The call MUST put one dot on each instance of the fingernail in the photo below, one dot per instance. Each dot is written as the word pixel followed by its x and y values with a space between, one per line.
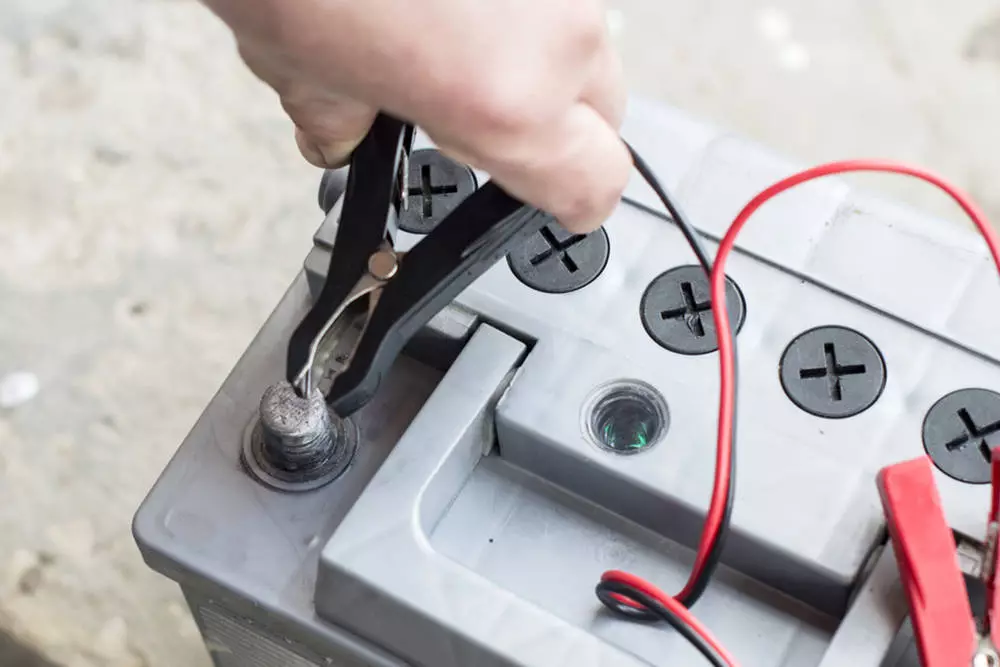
pixel 585 226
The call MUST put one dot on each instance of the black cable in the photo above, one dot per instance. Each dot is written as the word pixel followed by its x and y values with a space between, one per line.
pixel 655 611
pixel 675 212
pixel 694 240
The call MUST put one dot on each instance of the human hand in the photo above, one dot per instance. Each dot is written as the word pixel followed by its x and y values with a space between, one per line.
pixel 530 91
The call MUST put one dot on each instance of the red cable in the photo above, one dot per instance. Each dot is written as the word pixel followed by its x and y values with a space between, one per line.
pixel 990 567
pixel 722 326
pixel 727 368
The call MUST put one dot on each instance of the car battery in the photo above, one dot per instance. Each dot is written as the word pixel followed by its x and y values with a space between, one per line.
pixel 558 419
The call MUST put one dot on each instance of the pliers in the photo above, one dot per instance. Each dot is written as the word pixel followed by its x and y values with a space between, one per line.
pixel 947 631
pixel 375 297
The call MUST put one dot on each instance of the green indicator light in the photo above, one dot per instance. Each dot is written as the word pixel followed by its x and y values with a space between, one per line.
pixel 627 420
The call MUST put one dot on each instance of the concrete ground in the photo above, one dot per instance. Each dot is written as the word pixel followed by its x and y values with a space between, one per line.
pixel 153 208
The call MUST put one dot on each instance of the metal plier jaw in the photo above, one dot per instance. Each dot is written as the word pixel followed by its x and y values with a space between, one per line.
pixel 947 630
pixel 376 298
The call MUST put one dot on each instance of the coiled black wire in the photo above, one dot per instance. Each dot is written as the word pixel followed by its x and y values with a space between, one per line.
pixel 654 610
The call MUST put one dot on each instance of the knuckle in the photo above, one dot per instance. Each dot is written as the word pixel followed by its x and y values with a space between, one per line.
pixel 502 104
pixel 584 211
pixel 264 66
pixel 329 118
pixel 588 208
pixel 297 102
pixel 505 99
pixel 588 29
pixel 302 115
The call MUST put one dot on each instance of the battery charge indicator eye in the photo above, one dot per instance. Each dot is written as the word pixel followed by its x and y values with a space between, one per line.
pixel 627 417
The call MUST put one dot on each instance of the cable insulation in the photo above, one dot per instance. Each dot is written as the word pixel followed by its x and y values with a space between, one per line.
pixel 630 595
pixel 727 357
pixel 613 592
pixel 711 542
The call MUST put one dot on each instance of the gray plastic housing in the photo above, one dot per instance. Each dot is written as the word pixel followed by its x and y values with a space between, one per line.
pixel 479 515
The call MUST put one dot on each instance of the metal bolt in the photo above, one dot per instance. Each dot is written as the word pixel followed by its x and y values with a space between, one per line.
pixel 677 312
pixel 437 184
pixel 832 372
pixel 557 262
pixel 383 265
pixel 986 654
pixel 960 430
pixel 297 443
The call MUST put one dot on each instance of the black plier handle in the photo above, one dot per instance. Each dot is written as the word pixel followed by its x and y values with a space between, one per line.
pixel 401 292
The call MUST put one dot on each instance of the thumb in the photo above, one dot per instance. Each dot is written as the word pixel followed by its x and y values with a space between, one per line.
pixel 328 127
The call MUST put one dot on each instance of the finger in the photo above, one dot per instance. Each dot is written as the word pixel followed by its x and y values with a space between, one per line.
pixel 576 170
pixel 605 91
pixel 328 155
pixel 327 127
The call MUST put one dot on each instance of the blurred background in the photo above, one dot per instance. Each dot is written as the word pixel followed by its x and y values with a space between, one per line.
pixel 153 208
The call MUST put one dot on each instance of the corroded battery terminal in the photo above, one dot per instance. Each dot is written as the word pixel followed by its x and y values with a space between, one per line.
pixel 297 443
